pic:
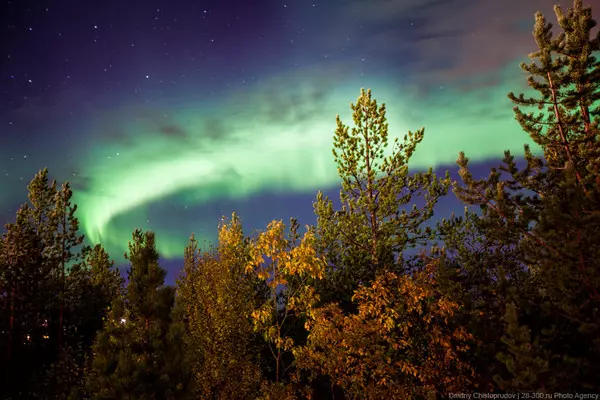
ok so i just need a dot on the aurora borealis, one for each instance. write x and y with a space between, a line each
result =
165 115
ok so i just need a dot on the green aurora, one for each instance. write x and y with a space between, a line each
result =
273 137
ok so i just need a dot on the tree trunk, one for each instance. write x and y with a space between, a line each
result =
11 324
62 273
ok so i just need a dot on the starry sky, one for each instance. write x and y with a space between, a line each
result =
165 115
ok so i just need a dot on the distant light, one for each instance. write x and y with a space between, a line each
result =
123 320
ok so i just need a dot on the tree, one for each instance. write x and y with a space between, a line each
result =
130 354
286 265
482 269
103 274
525 359
52 216
67 240
91 287
402 342
217 298
24 295
565 73
549 208
38 249
373 227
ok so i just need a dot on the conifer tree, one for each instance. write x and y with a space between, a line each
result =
24 295
374 225
562 249
549 209
48 220
67 240
483 266
565 72
525 359
104 276
52 216
130 354
91 287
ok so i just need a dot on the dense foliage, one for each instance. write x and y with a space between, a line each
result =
374 301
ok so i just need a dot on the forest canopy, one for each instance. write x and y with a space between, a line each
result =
376 300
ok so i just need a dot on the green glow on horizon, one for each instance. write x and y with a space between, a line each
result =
274 137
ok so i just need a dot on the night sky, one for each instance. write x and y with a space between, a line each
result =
165 115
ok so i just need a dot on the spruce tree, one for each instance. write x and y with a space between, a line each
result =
375 224
130 353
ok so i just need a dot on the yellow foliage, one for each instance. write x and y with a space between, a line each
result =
291 265
276 391
217 296
401 343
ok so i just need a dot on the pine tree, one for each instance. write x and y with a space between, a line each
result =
374 226
483 265
104 276
47 220
548 211
52 216
562 250
130 353
91 287
67 240
525 359
565 72
24 296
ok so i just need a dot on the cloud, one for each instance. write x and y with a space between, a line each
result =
446 40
